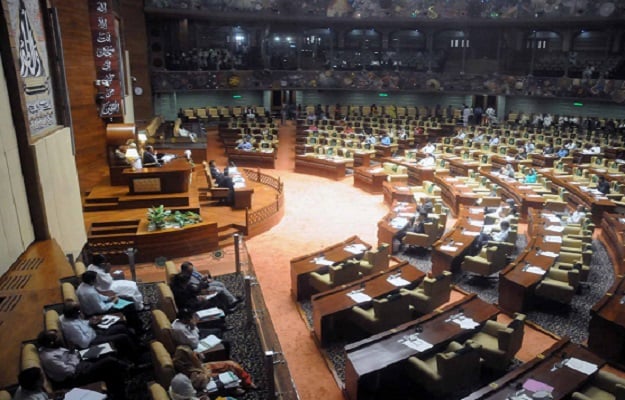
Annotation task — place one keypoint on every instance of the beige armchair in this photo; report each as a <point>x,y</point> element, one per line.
<point>165,300</point>
<point>161,327</point>
<point>500,342</point>
<point>603,386</point>
<point>384,313</point>
<point>558,285</point>
<point>492,258</point>
<point>375,259</point>
<point>458,367</point>
<point>163,364</point>
<point>430,294</point>
<point>157,392</point>
<point>570,261</point>
<point>433,231</point>
<point>336,275</point>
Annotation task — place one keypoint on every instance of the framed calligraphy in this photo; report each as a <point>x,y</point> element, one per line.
<point>29,44</point>
<point>109,60</point>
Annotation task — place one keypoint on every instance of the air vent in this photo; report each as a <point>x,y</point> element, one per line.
<point>14,282</point>
<point>28,264</point>
<point>8,303</point>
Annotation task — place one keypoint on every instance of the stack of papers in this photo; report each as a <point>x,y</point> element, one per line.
<point>549,254</point>
<point>210,313</point>
<point>207,343</point>
<point>447,247</point>
<point>536,386</point>
<point>107,321</point>
<point>555,228</point>
<point>476,222</point>
<point>397,280</point>
<point>399,222</point>
<point>96,351</point>
<point>322,261</point>
<point>226,379</point>
<point>414,342</point>
<point>355,248</point>
<point>471,233</point>
<point>534,270</point>
<point>84,394</point>
<point>358,296</point>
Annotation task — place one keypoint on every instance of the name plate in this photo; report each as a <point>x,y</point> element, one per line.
<point>146,185</point>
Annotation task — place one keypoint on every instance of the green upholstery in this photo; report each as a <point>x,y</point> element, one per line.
<point>499,343</point>
<point>163,364</point>
<point>490,260</point>
<point>603,386</point>
<point>384,313</point>
<point>558,285</point>
<point>433,292</point>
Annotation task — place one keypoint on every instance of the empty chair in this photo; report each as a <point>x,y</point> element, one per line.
<point>499,343</point>
<point>157,392</point>
<point>165,300</point>
<point>604,386</point>
<point>163,364</point>
<point>430,294</point>
<point>559,286</point>
<point>161,327</point>
<point>375,259</point>
<point>491,259</point>
<point>456,368</point>
<point>4,395</point>
<point>384,313</point>
<point>573,261</point>
<point>335,275</point>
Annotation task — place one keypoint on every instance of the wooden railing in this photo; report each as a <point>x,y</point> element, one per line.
<point>262,219</point>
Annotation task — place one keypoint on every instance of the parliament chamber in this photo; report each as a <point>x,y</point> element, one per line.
<point>411,200</point>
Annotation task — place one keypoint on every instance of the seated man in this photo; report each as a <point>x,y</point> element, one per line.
<point>416,226</point>
<point>603,186</point>
<point>578,215</point>
<point>207,282</point>
<point>245,145</point>
<point>92,302</point>
<point>386,140</point>
<point>105,282</point>
<point>189,296</point>
<point>185,331</point>
<point>427,161</point>
<point>429,148</point>
<point>82,333</point>
<point>149,157</point>
<point>66,369</point>
<point>227,182</point>
<point>30,385</point>
<point>497,236</point>
<point>426,206</point>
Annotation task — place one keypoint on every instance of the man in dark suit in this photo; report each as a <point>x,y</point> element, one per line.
<point>603,186</point>
<point>149,157</point>
<point>226,182</point>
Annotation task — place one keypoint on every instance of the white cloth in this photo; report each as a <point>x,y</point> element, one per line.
<point>123,288</point>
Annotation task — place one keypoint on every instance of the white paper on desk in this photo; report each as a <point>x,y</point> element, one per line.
<point>553,239</point>
<point>399,222</point>
<point>553,218</point>
<point>549,254</point>
<point>416,344</point>
<point>601,198</point>
<point>475,210</point>
<point>465,322</point>
<point>555,228</point>
<point>582,366</point>
<point>448,248</point>
<point>476,223</point>
<point>84,394</point>
<point>397,281</point>
<point>239,185</point>
<point>107,321</point>
<point>524,187</point>
<point>471,233</point>
<point>535,270</point>
<point>322,261</point>
<point>210,313</point>
<point>359,297</point>
<point>356,248</point>
<point>405,214</point>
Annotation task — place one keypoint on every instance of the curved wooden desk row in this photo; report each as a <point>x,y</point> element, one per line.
<point>576,195</point>
<point>606,332</point>
<point>371,363</point>
<point>328,167</point>
<point>455,193</point>
<point>613,234</point>
<point>516,284</point>
<point>260,159</point>
<point>331,307</point>
<point>302,266</point>
<point>524,195</point>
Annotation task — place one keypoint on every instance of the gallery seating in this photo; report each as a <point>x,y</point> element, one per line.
<point>499,343</point>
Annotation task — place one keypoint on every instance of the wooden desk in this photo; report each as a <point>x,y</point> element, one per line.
<point>382,151</point>
<point>516,286</point>
<point>597,204</point>
<point>328,167</point>
<point>564,380</point>
<point>455,193</point>
<point>613,234</point>
<point>302,266</point>
<point>606,333</point>
<point>172,177</point>
<point>369,179</point>
<point>243,198</point>
<point>397,192</point>
<point>498,161</point>
<point>387,232</point>
<point>370,362</point>
<point>331,307</point>
<point>543,161</point>
<point>259,159</point>
<point>460,167</point>
<point>362,158</point>
<point>522,194</point>
<point>453,246</point>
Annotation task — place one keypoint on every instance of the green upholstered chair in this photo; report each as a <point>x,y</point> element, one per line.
<point>433,292</point>
<point>603,386</point>
<point>558,285</point>
<point>499,342</point>
<point>384,313</point>
<point>491,259</point>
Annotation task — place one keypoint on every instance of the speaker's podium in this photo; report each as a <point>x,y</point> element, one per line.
<point>172,177</point>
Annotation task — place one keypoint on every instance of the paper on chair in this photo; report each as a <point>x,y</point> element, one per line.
<point>553,239</point>
<point>356,248</point>
<point>555,228</point>
<point>359,297</point>
<point>465,322</point>
<point>582,366</point>
<point>397,281</point>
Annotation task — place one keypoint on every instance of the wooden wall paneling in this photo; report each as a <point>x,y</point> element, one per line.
<point>89,129</point>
